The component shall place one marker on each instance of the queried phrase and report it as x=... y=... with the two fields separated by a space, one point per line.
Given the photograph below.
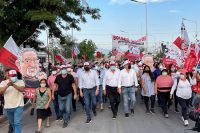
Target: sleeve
x=173 y=87
x=22 y=83
x=2 y=84
x=104 y=81
x=135 y=78
x=48 y=82
x=96 y=79
x=80 y=82
x=120 y=80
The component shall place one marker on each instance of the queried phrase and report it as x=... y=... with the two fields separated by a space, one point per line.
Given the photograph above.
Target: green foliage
x=25 y=18
x=87 y=47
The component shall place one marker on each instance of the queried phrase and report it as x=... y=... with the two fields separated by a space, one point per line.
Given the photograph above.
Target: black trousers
x=175 y=100
x=1 y=104
x=146 y=101
x=184 y=103
x=164 y=99
x=114 y=98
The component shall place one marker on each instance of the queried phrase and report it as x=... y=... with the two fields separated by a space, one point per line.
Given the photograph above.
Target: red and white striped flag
x=8 y=53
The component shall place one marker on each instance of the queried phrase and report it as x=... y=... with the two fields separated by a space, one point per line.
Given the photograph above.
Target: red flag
x=59 y=58
x=98 y=55
x=8 y=54
x=178 y=42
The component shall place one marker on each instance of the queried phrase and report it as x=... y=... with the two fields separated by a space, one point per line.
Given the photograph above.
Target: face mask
x=164 y=73
x=86 y=68
x=69 y=69
x=54 y=72
x=13 y=79
x=112 y=68
x=43 y=85
x=129 y=66
x=64 y=72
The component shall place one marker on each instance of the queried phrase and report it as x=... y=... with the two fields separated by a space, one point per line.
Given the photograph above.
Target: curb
x=4 y=117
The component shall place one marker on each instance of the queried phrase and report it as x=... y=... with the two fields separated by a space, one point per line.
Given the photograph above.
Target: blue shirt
x=149 y=85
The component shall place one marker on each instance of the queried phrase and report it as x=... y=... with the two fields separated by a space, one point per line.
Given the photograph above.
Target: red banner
x=190 y=62
x=168 y=61
x=29 y=93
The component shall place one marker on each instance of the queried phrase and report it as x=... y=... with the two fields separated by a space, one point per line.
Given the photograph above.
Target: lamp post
x=146 y=19
x=195 y=22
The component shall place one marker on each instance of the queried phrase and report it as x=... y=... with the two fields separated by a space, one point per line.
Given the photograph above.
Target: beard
x=31 y=71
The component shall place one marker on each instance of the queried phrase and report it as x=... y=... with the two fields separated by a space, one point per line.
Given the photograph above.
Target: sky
x=126 y=18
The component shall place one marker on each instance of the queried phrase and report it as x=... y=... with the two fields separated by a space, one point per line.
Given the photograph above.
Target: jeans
x=114 y=98
x=128 y=92
x=65 y=104
x=56 y=105
x=89 y=100
x=15 y=118
x=146 y=101
x=184 y=103
x=100 y=96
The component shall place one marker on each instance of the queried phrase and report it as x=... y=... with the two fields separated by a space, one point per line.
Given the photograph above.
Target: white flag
x=76 y=51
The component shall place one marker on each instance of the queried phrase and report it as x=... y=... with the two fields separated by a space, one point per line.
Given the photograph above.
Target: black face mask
x=86 y=68
x=129 y=66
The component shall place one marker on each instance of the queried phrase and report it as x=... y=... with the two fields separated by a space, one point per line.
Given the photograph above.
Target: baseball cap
x=12 y=73
x=112 y=63
x=86 y=64
x=63 y=66
x=68 y=65
x=126 y=62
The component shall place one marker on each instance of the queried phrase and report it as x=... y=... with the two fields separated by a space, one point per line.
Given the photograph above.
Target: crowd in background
x=93 y=83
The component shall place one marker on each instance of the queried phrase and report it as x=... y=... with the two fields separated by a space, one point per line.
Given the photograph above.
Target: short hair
x=24 y=50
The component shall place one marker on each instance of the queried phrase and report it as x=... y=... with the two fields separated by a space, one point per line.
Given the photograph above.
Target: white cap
x=63 y=66
x=126 y=62
x=12 y=73
x=112 y=63
x=86 y=64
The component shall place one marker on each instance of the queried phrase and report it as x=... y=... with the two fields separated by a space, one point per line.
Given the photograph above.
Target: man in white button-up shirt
x=89 y=88
x=128 y=83
x=110 y=84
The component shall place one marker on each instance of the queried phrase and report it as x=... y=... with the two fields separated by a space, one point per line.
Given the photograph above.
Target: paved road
x=102 y=123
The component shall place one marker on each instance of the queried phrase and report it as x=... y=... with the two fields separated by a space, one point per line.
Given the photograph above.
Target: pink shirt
x=51 y=80
x=162 y=81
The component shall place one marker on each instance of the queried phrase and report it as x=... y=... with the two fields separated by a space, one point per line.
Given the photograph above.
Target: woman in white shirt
x=184 y=93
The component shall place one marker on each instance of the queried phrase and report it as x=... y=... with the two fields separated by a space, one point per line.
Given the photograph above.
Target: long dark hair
x=149 y=72
x=170 y=67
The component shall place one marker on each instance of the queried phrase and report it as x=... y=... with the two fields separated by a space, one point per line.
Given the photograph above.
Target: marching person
x=70 y=71
x=184 y=93
x=110 y=87
x=89 y=88
x=128 y=84
x=13 y=88
x=163 y=86
x=148 y=89
x=65 y=84
x=51 y=84
x=42 y=102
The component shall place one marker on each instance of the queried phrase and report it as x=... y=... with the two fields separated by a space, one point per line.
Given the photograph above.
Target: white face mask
x=43 y=85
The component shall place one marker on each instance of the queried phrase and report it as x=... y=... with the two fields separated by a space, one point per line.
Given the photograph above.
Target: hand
x=145 y=92
x=75 y=96
x=9 y=83
x=33 y=105
x=119 y=90
x=171 y=96
x=97 y=92
x=136 y=89
x=81 y=93
x=46 y=106
x=104 y=92
x=53 y=97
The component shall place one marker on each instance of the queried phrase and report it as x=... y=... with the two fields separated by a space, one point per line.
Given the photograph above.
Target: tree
x=87 y=47
x=24 y=19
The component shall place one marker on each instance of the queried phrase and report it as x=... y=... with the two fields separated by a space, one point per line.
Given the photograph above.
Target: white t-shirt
x=12 y=97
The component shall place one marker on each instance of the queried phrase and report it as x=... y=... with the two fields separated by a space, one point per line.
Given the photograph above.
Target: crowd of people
x=92 y=83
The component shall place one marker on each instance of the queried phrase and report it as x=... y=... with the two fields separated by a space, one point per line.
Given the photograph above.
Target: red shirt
x=164 y=81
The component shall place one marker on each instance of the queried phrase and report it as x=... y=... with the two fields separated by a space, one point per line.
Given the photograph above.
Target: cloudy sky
x=127 y=18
